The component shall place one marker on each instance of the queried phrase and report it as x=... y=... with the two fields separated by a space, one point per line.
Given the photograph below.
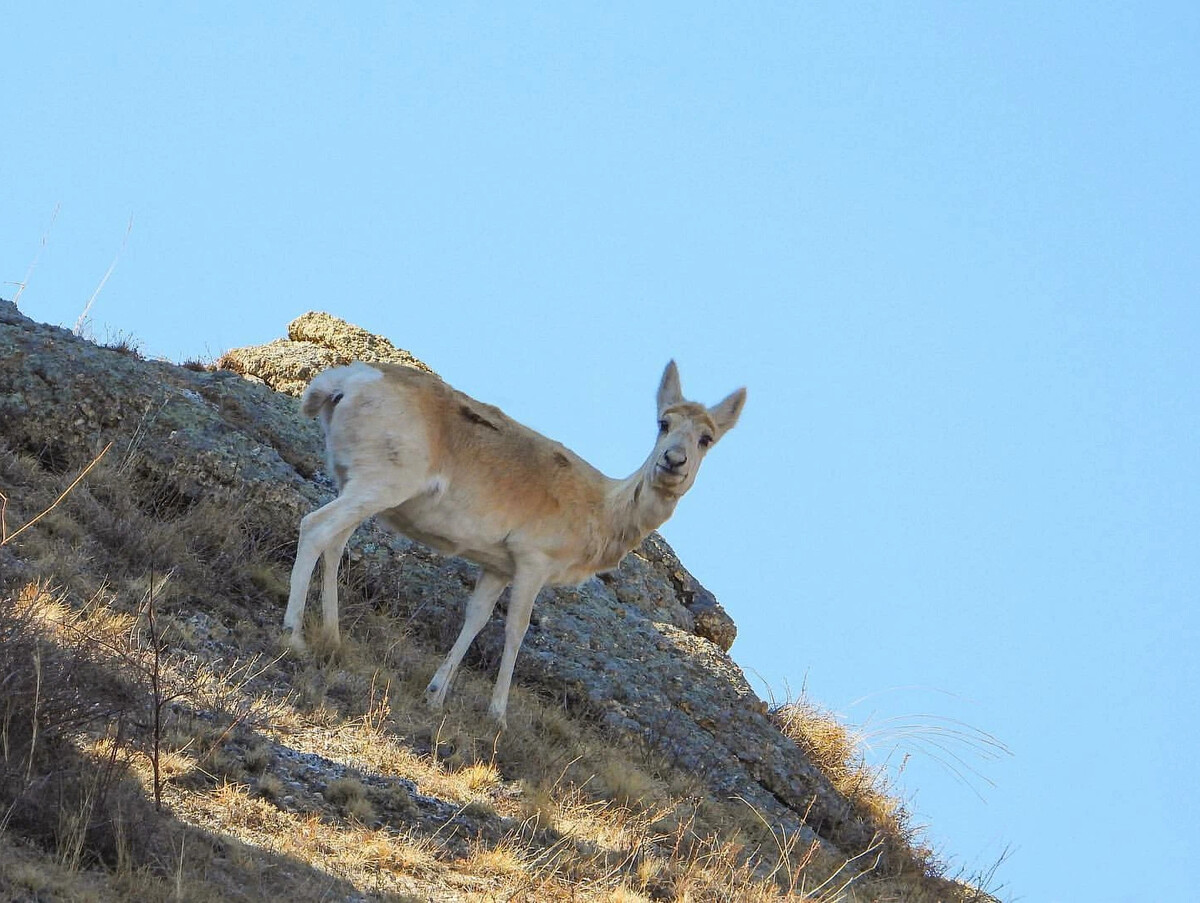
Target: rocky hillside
x=157 y=741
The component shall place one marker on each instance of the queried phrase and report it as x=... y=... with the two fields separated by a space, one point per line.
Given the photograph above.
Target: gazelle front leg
x=478 y=610
x=527 y=583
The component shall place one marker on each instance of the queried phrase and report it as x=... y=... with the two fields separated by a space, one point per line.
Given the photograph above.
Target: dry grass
x=607 y=843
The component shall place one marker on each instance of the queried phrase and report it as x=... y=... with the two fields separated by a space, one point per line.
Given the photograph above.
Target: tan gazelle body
x=467 y=480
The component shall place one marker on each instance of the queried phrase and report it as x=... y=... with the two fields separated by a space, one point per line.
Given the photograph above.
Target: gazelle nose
x=675 y=457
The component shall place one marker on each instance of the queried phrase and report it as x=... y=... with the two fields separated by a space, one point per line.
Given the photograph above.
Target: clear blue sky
x=950 y=248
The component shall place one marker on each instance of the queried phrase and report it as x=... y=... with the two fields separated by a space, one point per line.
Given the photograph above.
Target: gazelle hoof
x=499 y=718
x=294 y=638
x=434 y=699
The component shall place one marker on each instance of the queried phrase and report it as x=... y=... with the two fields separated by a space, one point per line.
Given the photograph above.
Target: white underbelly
x=489 y=552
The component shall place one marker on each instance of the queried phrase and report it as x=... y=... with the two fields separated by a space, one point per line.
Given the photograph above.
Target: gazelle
x=465 y=479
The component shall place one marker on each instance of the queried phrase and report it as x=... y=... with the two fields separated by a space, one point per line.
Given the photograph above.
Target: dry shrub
x=77 y=805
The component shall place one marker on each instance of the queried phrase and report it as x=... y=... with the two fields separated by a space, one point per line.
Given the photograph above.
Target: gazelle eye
x=706 y=440
x=663 y=426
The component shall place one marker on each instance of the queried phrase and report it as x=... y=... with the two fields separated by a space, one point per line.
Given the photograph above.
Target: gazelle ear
x=668 y=390
x=725 y=413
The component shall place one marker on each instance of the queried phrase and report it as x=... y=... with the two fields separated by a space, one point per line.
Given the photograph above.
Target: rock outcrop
x=315 y=341
x=642 y=651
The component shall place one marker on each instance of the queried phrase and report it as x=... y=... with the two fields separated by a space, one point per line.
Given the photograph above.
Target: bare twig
x=37 y=698
x=156 y=646
x=827 y=890
x=784 y=844
x=6 y=537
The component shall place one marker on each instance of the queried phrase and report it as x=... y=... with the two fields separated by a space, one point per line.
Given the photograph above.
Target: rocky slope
x=639 y=656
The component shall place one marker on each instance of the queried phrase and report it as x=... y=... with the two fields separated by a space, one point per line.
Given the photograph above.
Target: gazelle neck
x=634 y=508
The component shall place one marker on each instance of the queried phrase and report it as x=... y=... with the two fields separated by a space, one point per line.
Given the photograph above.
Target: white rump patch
x=341 y=380
x=358 y=373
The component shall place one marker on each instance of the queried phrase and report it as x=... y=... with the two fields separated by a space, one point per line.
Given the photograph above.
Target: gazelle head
x=686 y=431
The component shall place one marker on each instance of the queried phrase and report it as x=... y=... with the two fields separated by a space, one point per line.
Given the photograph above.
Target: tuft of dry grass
x=838 y=751
x=628 y=785
x=350 y=796
x=480 y=777
x=507 y=859
x=269 y=787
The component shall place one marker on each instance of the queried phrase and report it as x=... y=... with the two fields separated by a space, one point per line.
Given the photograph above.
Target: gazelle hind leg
x=331 y=559
x=319 y=532
x=314 y=535
x=478 y=609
